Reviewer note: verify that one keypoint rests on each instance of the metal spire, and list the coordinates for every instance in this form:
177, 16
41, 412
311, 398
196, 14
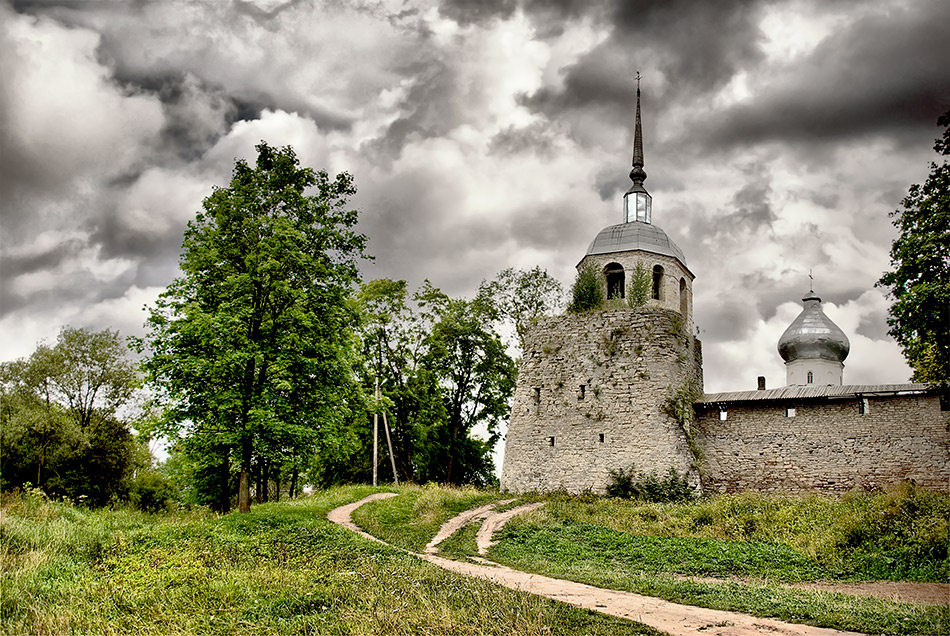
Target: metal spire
638, 175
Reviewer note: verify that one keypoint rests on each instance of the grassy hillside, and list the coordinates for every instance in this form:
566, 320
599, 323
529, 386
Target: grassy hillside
282, 569
757, 546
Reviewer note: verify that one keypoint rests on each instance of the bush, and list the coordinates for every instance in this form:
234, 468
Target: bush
152, 492
634, 484
587, 293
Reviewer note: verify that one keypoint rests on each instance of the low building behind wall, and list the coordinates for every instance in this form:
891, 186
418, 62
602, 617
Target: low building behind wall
592, 397
823, 438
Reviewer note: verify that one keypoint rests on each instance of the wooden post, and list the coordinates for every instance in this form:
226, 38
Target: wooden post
375, 433
389, 443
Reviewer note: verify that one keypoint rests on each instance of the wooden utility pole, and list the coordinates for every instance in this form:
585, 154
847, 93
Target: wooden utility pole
375, 433
389, 443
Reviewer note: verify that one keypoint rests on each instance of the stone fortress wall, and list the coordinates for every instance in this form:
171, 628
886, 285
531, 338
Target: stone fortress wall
830, 445
592, 396
593, 392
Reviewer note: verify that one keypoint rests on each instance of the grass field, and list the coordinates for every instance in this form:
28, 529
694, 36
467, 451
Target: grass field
281, 569
284, 569
757, 545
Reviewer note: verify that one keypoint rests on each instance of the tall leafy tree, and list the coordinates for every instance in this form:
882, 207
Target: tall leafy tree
523, 296
445, 379
394, 335
476, 378
253, 345
919, 278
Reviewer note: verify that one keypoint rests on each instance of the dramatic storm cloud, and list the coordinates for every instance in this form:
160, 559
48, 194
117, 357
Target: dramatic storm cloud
482, 135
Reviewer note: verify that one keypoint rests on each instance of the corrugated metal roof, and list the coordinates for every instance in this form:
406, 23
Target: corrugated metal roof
809, 392
635, 235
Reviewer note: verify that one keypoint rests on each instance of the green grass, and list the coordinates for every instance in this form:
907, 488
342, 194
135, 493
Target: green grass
898, 534
756, 545
415, 516
281, 569
765, 541
461, 545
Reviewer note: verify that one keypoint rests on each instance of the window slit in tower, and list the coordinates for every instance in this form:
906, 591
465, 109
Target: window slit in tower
551, 441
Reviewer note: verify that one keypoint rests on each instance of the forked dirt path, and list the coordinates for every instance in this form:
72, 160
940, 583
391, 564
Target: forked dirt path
675, 619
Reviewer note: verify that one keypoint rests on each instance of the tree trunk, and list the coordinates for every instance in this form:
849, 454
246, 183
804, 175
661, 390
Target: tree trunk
277, 484
244, 486
293, 481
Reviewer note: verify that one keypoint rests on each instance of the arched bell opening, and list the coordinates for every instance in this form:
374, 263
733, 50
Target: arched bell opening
684, 300
657, 282
614, 274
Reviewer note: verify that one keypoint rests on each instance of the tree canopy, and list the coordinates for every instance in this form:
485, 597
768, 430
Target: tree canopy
445, 379
523, 296
919, 278
252, 348
60, 426
587, 292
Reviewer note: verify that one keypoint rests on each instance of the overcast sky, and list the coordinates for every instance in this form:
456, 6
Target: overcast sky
482, 134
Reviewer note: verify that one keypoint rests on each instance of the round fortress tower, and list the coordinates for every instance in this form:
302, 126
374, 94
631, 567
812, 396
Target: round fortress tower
603, 391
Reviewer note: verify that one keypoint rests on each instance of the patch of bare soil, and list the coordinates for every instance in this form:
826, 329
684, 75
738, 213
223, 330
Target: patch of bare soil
675, 619
904, 591
901, 591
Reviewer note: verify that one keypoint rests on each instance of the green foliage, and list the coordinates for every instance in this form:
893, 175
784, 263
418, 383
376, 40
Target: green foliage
444, 372
630, 483
647, 548
252, 349
523, 296
641, 286
282, 569
58, 424
919, 278
588, 292
151, 491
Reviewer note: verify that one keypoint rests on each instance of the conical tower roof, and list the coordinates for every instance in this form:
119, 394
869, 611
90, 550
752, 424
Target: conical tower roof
813, 335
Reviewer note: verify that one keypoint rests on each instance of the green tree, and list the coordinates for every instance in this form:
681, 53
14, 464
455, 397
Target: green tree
587, 293
641, 286
60, 426
476, 378
919, 278
523, 296
394, 335
445, 379
253, 347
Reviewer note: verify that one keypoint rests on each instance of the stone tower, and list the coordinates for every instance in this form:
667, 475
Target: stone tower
611, 389
813, 347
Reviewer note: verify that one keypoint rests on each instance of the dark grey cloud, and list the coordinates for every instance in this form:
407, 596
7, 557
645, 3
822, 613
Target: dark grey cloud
473, 11
431, 108
884, 74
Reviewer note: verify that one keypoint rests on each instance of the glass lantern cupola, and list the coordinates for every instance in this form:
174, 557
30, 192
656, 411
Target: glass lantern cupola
637, 202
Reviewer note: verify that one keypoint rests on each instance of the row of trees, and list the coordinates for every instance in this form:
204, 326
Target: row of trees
262, 357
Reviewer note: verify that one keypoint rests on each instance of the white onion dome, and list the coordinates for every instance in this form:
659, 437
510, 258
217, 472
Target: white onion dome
813, 335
